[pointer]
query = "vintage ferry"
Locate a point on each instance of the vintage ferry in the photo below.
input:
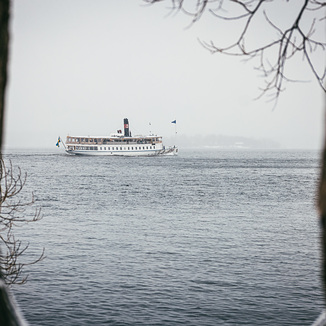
(122, 144)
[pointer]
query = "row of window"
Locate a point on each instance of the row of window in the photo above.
(125, 148)
(92, 148)
(98, 141)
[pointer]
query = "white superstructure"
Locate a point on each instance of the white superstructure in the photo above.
(118, 144)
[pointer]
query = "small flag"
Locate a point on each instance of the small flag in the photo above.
(174, 121)
(58, 142)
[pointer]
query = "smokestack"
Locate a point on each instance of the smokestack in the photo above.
(126, 127)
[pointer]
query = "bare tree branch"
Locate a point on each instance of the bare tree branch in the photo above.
(13, 213)
(276, 53)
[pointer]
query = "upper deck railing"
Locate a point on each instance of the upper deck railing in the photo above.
(113, 140)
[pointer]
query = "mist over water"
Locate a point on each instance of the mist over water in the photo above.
(206, 238)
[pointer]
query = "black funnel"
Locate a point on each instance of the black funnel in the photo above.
(126, 127)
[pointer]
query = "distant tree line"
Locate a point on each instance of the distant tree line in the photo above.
(301, 32)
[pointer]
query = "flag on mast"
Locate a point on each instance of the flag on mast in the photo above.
(174, 121)
(58, 142)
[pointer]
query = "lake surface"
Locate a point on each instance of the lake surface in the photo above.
(210, 237)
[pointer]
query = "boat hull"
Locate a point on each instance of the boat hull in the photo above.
(164, 151)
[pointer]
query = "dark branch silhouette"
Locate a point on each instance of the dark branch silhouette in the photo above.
(13, 212)
(12, 206)
(274, 55)
(9, 312)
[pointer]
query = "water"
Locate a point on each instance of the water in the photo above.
(205, 238)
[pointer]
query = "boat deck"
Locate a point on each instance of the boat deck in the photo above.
(112, 140)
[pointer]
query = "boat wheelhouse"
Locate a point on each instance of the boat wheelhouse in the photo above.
(122, 144)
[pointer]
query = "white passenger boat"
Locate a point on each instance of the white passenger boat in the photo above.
(118, 144)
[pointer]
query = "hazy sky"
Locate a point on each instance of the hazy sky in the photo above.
(79, 67)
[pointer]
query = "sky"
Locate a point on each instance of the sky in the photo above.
(78, 67)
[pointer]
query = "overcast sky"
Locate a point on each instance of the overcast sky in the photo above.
(79, 67)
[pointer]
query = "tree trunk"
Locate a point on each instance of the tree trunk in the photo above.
(4, 44)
